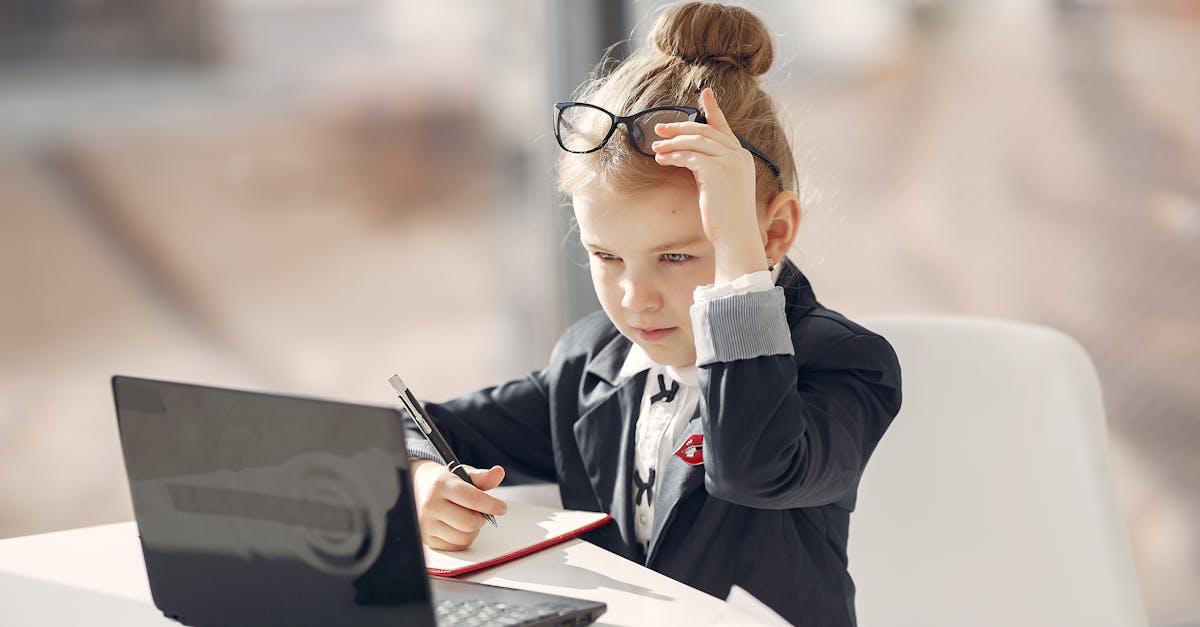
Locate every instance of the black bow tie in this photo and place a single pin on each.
(643, 487)
(663, 393)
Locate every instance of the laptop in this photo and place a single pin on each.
(263, 509)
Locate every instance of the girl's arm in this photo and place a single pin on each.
(784, 430)
(506, 425)
(781, 430)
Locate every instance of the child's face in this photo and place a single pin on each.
(648, 252)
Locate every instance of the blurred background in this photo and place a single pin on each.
(308, 195)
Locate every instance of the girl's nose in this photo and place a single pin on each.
(639, 294)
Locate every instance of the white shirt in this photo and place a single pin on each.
(663, 417)
(660, 423)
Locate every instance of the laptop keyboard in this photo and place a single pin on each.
(477, 613)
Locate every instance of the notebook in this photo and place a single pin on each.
(261, 509)
(524, 529)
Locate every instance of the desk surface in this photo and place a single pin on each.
(96, 575)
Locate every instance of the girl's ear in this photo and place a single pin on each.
(781, 223)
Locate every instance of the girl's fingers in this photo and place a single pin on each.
(671, 129)
(676, 129)
(459, 517)
(712, 111)
(438, 544)
(692, 159)
(452, 536)
(471, 497)
(694, 143)
(716, 127)
(682, 158)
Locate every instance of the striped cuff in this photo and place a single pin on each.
(420, 448)
(741, 326)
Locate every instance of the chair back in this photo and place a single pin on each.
(990, 499)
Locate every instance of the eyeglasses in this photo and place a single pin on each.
(582, 128)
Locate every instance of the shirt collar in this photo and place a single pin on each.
(637, 361)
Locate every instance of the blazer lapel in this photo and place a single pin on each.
(599, 433)
(679, 481)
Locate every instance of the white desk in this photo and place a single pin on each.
(96, 576)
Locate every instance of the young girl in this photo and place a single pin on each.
(715, 409)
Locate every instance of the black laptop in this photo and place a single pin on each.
(259, 509)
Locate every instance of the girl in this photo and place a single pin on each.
(715, 409)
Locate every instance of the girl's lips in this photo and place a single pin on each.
(653, 335)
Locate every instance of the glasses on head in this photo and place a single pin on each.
(582, 128)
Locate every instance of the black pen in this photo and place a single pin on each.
(425, 424)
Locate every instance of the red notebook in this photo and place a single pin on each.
(524, 529)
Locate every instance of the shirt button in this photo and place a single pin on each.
(642, 518)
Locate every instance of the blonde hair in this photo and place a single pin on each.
(693, 45)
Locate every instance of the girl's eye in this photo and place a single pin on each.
(675, 257)
(605, 256)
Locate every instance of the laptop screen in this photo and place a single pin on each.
(258, 509)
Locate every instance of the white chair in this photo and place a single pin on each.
(990, 499)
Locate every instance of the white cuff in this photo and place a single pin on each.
(760, 281)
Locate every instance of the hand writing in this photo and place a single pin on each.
(449, 510)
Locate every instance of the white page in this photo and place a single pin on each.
(744, 609)
(524, 525)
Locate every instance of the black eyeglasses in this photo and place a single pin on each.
(582, 128)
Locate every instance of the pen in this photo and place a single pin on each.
(425, 424)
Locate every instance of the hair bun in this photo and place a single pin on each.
(704, 33)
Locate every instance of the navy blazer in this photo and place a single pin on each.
(786, 438)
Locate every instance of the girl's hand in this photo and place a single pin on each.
(724, 173)
(450, 510)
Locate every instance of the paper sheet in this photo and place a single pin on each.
(523, 529)
(743, 609)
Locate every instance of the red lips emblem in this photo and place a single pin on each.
(692, 449)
